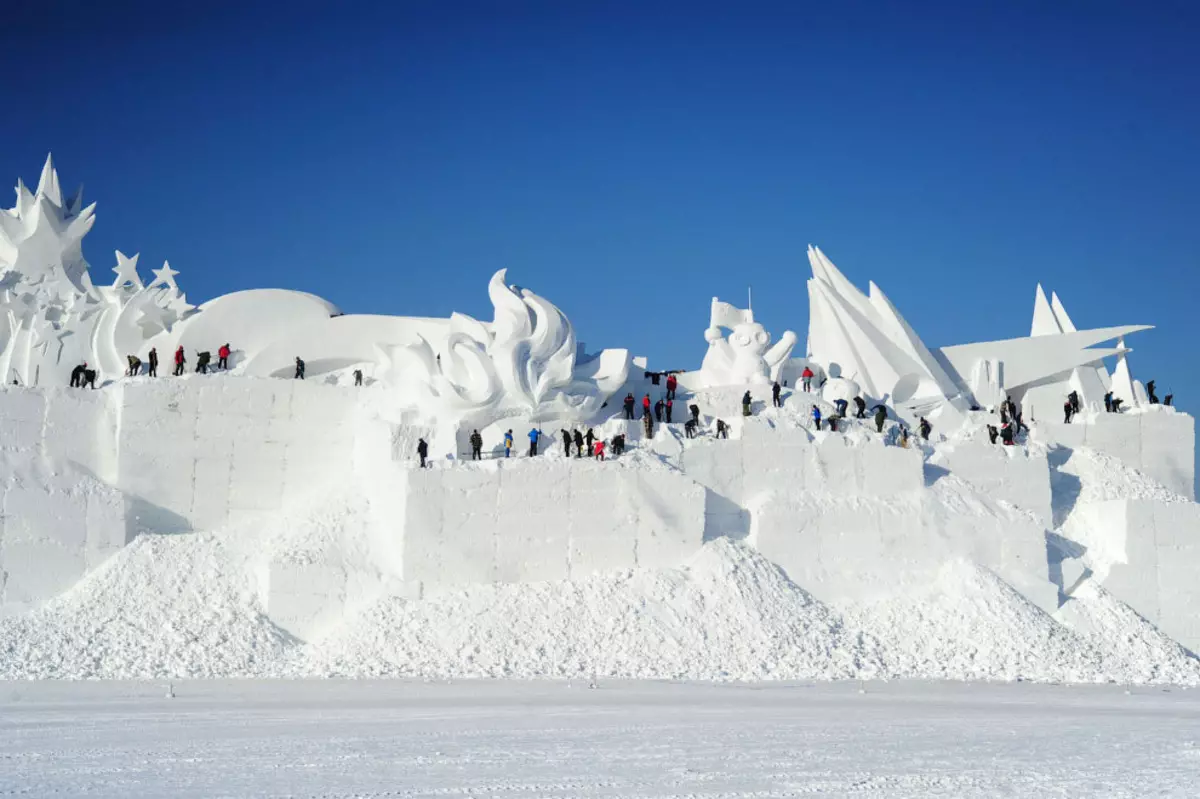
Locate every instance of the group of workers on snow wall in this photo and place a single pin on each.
(84, 376)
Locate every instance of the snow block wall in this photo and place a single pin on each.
(1147, 553)
(863, 548)
(1157, 441)
(58, 520)
(197, 456)
(555, 520)
(767, 460)
(1012, 474)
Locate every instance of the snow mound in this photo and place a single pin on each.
(165, 606)
(970, 625)
(729, 614)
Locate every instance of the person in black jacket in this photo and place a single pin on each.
(775, 400)
(629, 403)
(860, 408)
(476, 446)
(299, 369)
(578, 444)
(422, 451)
(152, 363)
(77, 375)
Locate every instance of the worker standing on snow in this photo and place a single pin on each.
(670, 408)
(299, 369)
(534, 435)
(722, 429)
(806, 378)
(925, 428)
(816, 416)
(840, 406)
(566, 438)
(775, 400)
(598, 452)
(860, 408)
(629, 402)
(646, 405)
(746, 400)
(135, 366)
(579, 443)
(202, 360)
(179, 361)
(671, 384)
(223, 356)
(476, 446)
(422, 451)
(358, 377)
(880, 417)
(77, 375)
(152, 363)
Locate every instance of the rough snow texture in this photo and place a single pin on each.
(1156, 440)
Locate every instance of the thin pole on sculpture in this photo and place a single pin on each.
(749, 300)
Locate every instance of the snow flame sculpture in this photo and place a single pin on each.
(527, 360)
(746, 354)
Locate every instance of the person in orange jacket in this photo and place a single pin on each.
(646, 405)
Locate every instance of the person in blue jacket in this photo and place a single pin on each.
(534, 435)
(816, 414)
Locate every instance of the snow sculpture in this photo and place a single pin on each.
(52, 316)
(865, 338)
(526, 361)
(746, 354)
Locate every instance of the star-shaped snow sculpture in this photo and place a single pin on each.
(165, 276)
(126, 270)
(155, 317)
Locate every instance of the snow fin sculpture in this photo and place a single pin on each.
(865, 339)
(746, 355)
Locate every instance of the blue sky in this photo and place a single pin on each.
(630, 161)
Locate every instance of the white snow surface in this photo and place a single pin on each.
(374, 739)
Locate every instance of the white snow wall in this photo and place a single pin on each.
(84, 471)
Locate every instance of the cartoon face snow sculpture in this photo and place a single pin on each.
(746, 354)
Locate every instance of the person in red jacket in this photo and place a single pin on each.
(646, 406)
(671, 383)
(223, 356)
(806, 376)
(179, 361)
(598, 452)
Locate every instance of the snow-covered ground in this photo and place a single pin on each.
(619, 739)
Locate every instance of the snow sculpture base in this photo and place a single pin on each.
(1012, 474)
(1156, 440)
(861, 549)
(555, 520)
(1147, 554)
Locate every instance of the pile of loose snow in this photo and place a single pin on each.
(730, 614)
(165, 606)
(1084, 475)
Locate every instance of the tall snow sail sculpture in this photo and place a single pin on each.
(865, 339)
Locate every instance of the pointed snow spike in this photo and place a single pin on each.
(48, 183)
(1044, 321)
(1060, 313)
(78, 227)
(76, 201)
(25, 200)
